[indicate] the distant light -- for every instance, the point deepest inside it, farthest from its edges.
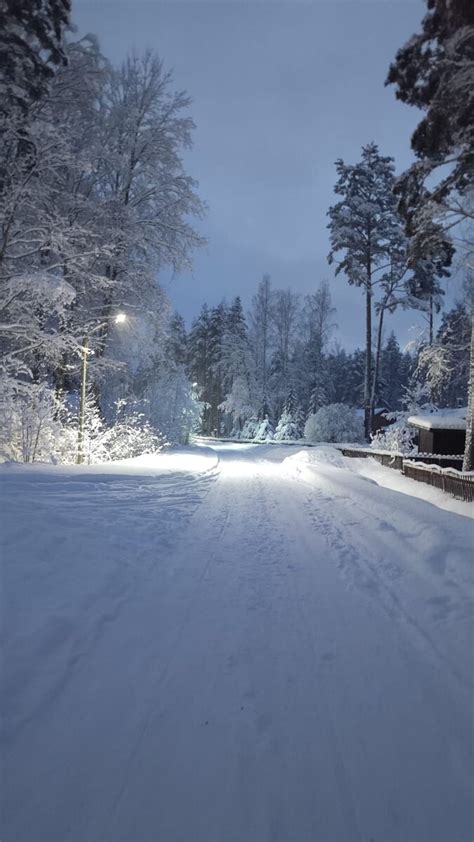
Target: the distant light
(120, 318)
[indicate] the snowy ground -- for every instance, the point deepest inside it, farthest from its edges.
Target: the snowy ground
(240, 643)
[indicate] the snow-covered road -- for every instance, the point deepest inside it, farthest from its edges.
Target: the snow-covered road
(230, 644)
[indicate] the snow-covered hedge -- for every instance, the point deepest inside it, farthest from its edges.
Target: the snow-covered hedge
(336, 422)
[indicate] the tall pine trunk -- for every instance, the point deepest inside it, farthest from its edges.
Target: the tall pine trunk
(378, 353)
(468, 462)
(431, 320)
(368, 360)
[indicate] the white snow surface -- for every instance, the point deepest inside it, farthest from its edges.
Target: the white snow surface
(234, 642)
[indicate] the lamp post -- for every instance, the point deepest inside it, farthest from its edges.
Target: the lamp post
(119, 319)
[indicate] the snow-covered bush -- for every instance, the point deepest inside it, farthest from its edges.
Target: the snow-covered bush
(264, 431)
(336, 422)
(287, 427)
(129, 434)
(39, 425)
(398, 436)
(32, 423)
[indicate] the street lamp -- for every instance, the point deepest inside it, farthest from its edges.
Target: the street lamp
(119, 319)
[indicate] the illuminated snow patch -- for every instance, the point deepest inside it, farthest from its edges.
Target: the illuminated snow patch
(249, 469)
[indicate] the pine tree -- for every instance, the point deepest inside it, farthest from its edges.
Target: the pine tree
(238, 367)
(426, 292)
(199, 364)
(285, 320)
(365, 227)
(310, 364)
(434, 71)
(261, 324)
(391, 373)
(443, 367)
(176, 345)
(217, 327)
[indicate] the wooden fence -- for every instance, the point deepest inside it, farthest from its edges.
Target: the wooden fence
(437, 470)
(454, 482)
(390, 460)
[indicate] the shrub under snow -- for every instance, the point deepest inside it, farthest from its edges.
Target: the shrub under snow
(398, 436)
(32, 423)
(336, 422)
(38, 425)
(129, 434)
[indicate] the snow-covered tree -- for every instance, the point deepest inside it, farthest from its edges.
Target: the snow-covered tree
(366, 231)
(261, 319)
(97, 203)
(238, 366)
(444, 366)
(395, 373)
(289, 426)
(265, 431)
(285, 321)
(336, 422)
(434, 71)
(309, 364)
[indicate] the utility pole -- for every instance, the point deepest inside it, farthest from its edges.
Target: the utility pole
(82, 403)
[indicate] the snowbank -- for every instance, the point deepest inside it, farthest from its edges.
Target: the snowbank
(307, 463)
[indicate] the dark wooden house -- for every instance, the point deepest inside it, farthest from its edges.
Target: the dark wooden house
(380, 419)
(441, 433)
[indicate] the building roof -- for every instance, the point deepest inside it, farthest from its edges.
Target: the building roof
(449, 419)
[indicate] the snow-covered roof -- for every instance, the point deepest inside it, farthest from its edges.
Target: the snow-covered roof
(451, 419)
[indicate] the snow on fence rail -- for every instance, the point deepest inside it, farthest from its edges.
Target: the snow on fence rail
(391, 459)
(459, 485)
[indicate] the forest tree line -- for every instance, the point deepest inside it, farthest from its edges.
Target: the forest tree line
(265, 373)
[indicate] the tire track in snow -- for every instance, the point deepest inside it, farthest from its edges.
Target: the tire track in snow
(354, 559)
(174, 648)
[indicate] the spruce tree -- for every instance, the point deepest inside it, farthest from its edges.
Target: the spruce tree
(391, 373)
(199, 363)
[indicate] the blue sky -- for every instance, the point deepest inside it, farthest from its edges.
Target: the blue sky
(280, 90)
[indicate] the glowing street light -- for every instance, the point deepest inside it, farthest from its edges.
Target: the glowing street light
(119, 319)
